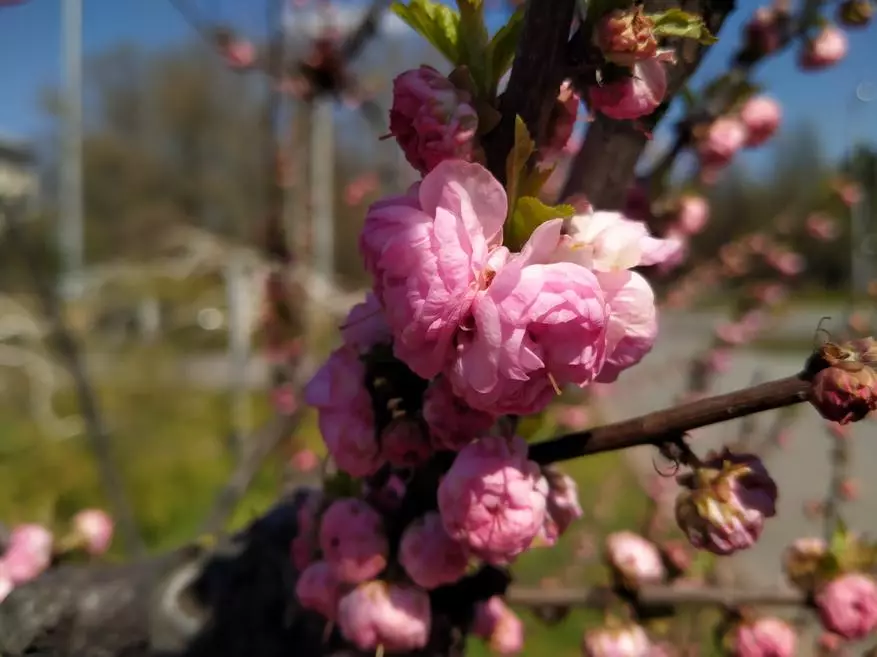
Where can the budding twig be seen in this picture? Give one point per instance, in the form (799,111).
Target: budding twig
(663,426)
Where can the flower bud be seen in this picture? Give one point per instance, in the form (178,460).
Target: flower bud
(95,528)
(727,501)
(353,540)
(762,31)
(562,499)
(634,560)
(721,141)
(317,588)
(626,36)
(627,640)
(763,637)
(844,392)
(761,115)
(631,96)
(499,625)
(847,605)
(802,561)
(825,49)
(693,214)
(394,616)
(29,553)
(855,13)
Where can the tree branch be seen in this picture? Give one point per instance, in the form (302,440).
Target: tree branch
(662,426)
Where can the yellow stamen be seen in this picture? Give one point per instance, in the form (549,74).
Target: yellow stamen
(554,384)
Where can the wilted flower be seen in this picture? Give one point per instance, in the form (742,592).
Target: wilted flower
(317,588)
(429,556)
(764,637)
(394,616)
(825,49)
(353,540)
(847,605)
(761,115)
(499,626)
(727,501)
(855,13)
(95,528)
(635,560)
(562,122)
(626,36)
(844,392)
(627,640)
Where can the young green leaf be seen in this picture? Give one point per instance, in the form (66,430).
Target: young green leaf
(533,182)
(530,213)
(435,22)
(516,162)
(502,47)
(473,39)
(679,23)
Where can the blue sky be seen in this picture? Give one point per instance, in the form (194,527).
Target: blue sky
(30,61)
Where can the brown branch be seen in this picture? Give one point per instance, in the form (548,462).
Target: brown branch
(661,426)
(535,78)
(654,596)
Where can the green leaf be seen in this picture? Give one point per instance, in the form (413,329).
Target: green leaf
(678,23)
(341,484)
(530,213)
(502,47)
(473,39)
(516,163)
(839,536)
(532,183)
(435,22)
(536,427)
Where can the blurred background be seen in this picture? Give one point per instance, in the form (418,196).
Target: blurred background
(140,163)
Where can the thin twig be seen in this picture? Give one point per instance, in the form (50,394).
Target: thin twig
(662,426)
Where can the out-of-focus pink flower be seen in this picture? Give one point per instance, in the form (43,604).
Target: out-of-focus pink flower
(770,294)
(633,322)
(317,588)
(718,360)
(830,643)
(761,115)
(361,187)
(764,637)
(625,641)
(813,509)
(801,561)
(29,552)
(822,227)
(626,36)
(636,560)
(306,540)
(825,49)
(238,54)
(633,96)
(405,444)
(787,263)
(429,556)
(365,325)
(838,431)
(428,253)
(95,527)
(283,399)
(693,214)
(849,192)
(727,502)
(849,489)
(499,626)
(490,498)
(432,120)
(562,122)
(452,424)
(847,606)
(346,418)
(536,328)
(394,616)
(353,540)
(6,583)
(572,416)
(305,460)
(733,333)
(721,142)
(563,501)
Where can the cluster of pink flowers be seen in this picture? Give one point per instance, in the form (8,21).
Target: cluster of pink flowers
(756,122)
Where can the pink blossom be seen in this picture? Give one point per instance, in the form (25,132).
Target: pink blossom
(284,399)
(490,498)
(625,641)
(721,142)
(849,489)
(633,322)
(830,643)
(6,583)
(733,333)
(428,253)
(635,559)
(850,193)
(429,556)
(305,460)
(535,328)
(239,54)
(693,214)
(452,424)
(394,616)
(365,325)
(306,540)
(29,552)
(631,96)
(825,49)
(432,120)
(718,360)
(499,625)
(727,502)
(770,293)
(405,444)
(761,115)
(787,263)
(562,122)
(572,417)
(847,606)
(353,540)
(317,588)
(346,419)
(764,637)
(822,227)
(563,507)
(96,529)
(762,30)
(361,187)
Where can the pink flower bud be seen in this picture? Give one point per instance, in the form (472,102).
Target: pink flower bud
(762,31)
(239,54)
(761,115)
(849,490)
(96,529)
(726,503)
(29,553)
(633,96)
(431,119)
(500,626)
(353,540)
(634,559)
(825,49)
(490,498)
(429,556)
(404,443)
(845,392)
(452,424)
(305,460)
(693,214)
(764,637)
(625,641)
(317,588)
(847,605)
(379,614)
(722,140)
(822,227)
(626,36)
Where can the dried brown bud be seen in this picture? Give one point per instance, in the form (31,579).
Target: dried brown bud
(626,36)
(855,13)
